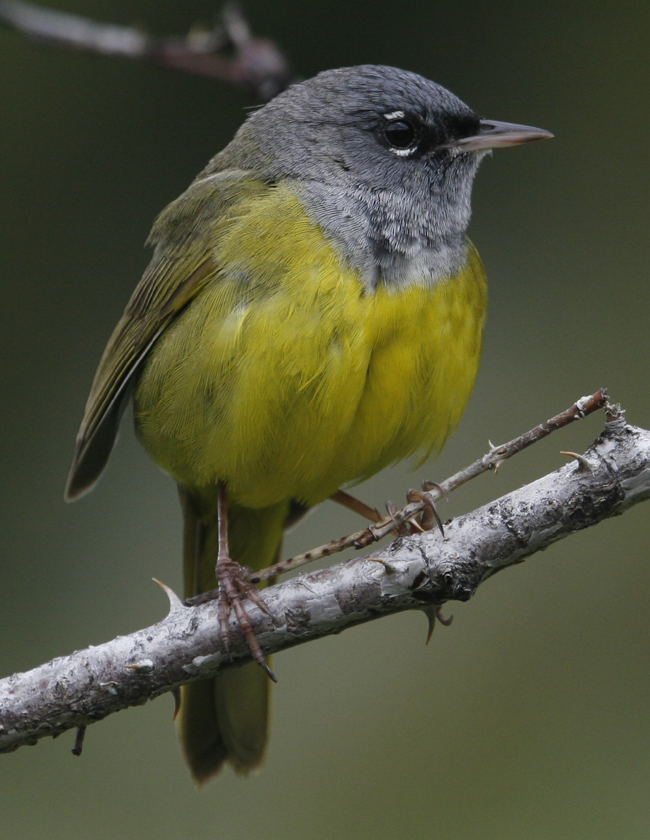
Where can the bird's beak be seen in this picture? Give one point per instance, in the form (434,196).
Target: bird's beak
(496,135)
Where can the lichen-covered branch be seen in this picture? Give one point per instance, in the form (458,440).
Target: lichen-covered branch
(414,572)
(228,52)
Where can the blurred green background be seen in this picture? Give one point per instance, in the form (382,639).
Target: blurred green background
(526,719)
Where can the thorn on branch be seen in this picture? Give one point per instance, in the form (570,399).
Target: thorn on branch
(362,539)
(79,740)
(175,602)
(144,666)
(41,702)
(390,569)
(583,464)
(433,614)
(176,694)
(493,458)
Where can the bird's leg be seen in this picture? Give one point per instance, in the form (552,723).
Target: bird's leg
(356,505)
(233,586)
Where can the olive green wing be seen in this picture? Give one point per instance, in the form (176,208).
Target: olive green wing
(184,236)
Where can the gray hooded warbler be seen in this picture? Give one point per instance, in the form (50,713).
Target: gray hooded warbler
(312,312)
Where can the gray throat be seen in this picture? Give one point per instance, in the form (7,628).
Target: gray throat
(414,234)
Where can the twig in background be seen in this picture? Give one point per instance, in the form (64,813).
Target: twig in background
(229,52)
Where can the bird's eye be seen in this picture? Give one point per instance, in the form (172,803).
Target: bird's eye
(399,134)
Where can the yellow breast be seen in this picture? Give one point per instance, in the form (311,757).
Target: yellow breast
(286,378)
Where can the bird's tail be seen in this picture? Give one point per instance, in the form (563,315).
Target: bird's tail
(226,718)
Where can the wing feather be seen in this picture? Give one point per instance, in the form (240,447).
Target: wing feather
(184,236)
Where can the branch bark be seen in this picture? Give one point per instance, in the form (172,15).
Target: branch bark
(414,572)
(229,52)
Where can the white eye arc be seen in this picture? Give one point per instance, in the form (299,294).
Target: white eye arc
(401,134)
(401,152)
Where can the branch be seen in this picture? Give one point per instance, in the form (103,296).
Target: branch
(421,503)
(228,52)
(414,572)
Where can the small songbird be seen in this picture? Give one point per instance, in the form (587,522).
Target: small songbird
(312,313)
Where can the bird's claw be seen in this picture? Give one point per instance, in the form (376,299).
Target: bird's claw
(429,516)
(233,587)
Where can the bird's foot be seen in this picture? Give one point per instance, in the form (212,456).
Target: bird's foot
(233,588)
(429,516)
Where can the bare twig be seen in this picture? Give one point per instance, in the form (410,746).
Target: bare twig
(491,461)
(414,572)
(228,52)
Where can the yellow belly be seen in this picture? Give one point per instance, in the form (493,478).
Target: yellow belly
(287,379)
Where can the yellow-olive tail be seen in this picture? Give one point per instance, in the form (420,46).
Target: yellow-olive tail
(226,719)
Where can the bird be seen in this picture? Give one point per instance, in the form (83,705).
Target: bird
(312,313)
